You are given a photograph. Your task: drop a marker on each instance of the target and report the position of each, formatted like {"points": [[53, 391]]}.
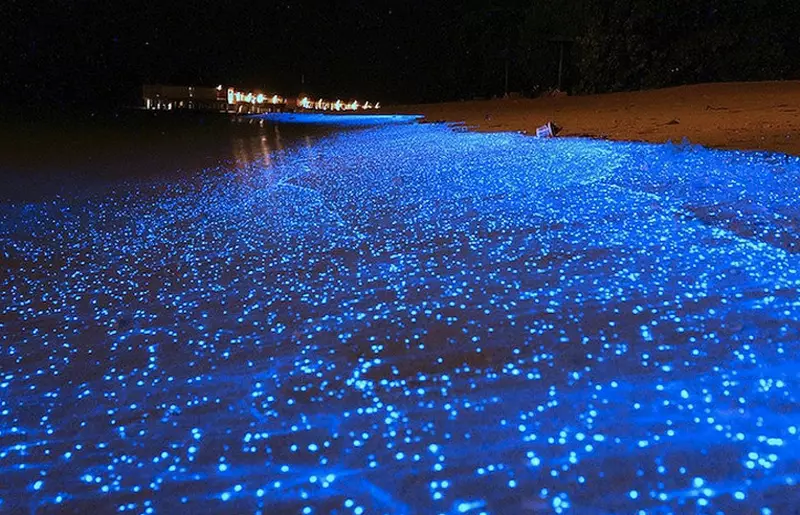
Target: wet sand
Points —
{"points": [[743, 116]]}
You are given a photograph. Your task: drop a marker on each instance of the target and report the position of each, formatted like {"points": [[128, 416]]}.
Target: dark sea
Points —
{"points": [[68, 154]]}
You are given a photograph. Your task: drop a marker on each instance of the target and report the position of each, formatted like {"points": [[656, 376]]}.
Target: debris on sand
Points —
{"points": [[548, 130]]}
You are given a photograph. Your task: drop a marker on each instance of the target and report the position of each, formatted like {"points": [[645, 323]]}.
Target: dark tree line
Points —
{"points": [[88, 51], [636, 44], [620, 45]]}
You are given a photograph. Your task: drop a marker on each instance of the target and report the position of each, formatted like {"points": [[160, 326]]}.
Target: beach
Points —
{"points": [[761, 116]]}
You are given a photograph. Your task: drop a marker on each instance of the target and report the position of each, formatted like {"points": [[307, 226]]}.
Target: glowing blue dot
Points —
{"points": [[739, 496], [38, 485], [633, 494], [223, 467], [225, 496]]}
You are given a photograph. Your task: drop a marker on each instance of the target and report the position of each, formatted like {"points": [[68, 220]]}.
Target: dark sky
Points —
{"points": [[99, 52]]}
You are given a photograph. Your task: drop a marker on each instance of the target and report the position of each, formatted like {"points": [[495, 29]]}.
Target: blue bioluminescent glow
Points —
{"points": [[337, 119], [409, 319]]}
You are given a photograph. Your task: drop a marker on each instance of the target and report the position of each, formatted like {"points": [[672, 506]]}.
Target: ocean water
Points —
{"points": [[68, 155], [404, 318]]}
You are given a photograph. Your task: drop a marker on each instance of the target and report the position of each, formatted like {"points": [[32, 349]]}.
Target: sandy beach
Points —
{"points": [[745, 116]]}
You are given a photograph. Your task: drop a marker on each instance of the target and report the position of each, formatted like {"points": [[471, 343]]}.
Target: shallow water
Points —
{"points": [[68, 156], [409, 319]]}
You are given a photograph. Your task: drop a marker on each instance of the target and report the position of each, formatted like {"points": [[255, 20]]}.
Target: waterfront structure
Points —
{"points": [[231, 100], [218, 99], [168, 98]]}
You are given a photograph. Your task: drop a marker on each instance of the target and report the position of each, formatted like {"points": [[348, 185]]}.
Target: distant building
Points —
{"points": [[254, 102], [219, 99], [231, 100], [161, 97]]}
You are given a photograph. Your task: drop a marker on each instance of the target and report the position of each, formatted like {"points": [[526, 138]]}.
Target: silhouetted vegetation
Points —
{"points": [[623, 45], [393, 50]]}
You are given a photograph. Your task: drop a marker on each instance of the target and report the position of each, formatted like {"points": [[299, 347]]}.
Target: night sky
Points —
{"points": [[88, 52], [99, 53]]}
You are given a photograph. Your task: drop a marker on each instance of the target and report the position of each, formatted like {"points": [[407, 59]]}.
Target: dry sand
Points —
{"points": [[746, 116]]}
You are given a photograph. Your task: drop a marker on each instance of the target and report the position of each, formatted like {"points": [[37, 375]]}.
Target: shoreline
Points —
{"points": [[750, 116]]}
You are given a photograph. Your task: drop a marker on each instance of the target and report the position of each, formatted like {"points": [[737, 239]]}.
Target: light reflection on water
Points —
{"points": [[406, 319], [42, 160]]}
